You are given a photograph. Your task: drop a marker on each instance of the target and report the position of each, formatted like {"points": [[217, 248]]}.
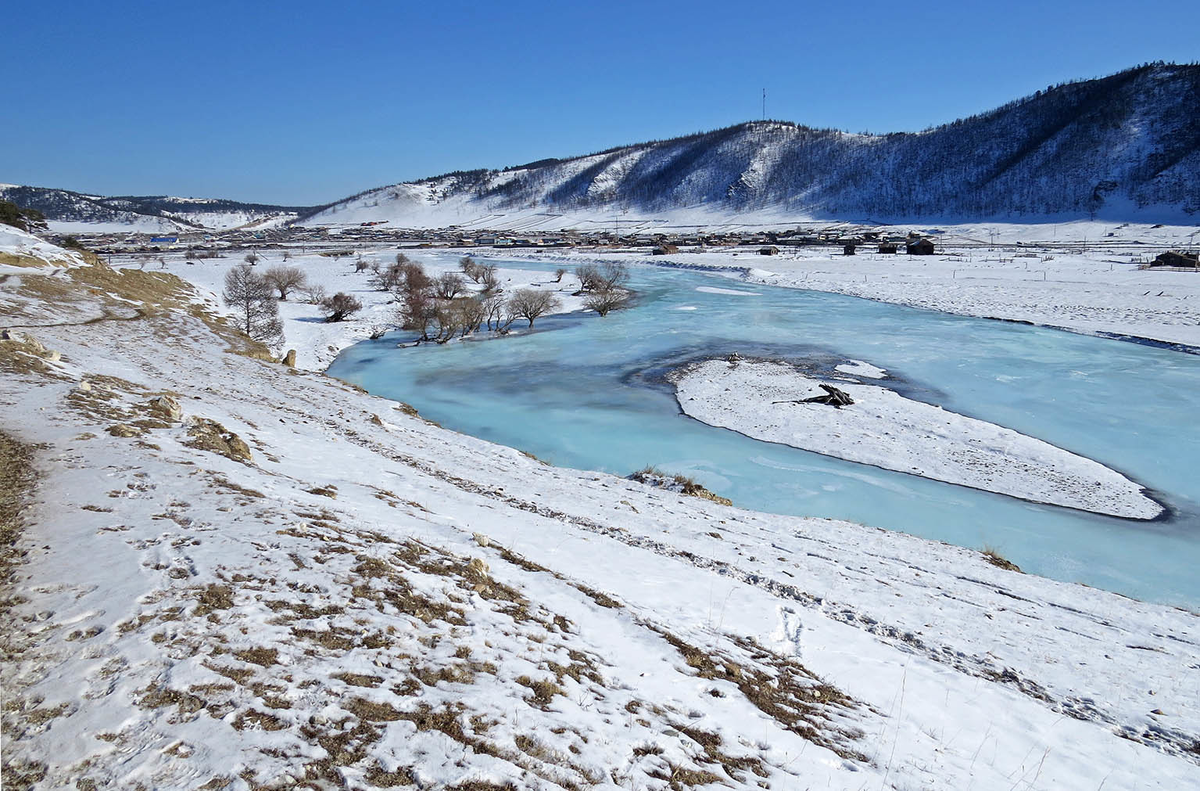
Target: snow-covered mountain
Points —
{"points": [[1123, 146], [69, 211]]}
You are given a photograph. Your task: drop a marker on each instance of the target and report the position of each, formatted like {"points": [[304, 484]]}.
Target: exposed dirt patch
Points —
{"points": [[16, 485]]}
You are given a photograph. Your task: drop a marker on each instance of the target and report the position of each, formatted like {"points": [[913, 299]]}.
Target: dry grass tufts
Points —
{"points": [[791, 695], [993, 556], [653, 476], [358, 680], [253, 719], [404, 776], [259, 656], [214, 597], [329, 491], [603, 599], [371, 711], [155, 697], [543, 690]]}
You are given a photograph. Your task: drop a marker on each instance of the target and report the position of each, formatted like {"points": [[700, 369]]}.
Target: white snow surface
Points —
{"points": [[758, 398], [863, 369], [24, 245], [1071, 276], [317, 343], [373, 600]]}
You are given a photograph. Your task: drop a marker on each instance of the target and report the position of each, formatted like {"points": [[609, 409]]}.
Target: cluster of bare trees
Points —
{"points": [[445, 307], [603, 286], [254, 298]]}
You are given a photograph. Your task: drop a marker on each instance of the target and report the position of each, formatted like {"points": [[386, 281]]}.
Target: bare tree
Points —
{"points": [[413, 276], [339, 306], [471, 313], [558, 275], [449, 285], [529, 303], [489, 278], [313, 294], [603, 277], [417, 311], [254, 304], [459, 317], [251, 258], [603, 302], [589, 276], [361, 264], [613, 275], [470, 268], [496, 313], [285, 279], [389, 278]]}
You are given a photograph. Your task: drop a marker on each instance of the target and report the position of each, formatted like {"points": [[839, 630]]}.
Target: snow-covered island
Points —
{"points": [[760, 398]]}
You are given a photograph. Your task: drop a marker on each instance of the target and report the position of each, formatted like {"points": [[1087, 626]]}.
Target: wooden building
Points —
{"points": [[919, 247]]}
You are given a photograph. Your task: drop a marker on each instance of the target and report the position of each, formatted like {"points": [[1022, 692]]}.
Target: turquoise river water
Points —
{"points": [[585, 392]]}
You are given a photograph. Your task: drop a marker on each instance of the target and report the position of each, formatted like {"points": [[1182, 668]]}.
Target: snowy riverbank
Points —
{"points": [[758, 398], [1080, 276], [318, 342]]}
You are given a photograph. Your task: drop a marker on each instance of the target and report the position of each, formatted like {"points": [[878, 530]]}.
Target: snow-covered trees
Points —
{"points": [[253, 302], [285, 279]]}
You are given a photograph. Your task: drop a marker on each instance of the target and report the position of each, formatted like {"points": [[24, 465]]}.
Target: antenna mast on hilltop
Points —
{"points": [[764, 104]]}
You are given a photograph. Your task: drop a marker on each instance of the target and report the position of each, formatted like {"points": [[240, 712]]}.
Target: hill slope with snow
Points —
{"points": [[74, 212], [1120, 147], [238, 575]]}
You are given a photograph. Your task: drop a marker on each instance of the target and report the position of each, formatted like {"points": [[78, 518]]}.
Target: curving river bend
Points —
{"points": [[587, 392]]}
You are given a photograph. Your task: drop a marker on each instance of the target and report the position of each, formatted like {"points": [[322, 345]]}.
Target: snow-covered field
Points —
{"points": [[316, 342], [759, 398], [357, 598], [1071, 276]]}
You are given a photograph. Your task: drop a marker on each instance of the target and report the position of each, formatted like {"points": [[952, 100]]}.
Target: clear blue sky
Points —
{"points": [[306, 102]]}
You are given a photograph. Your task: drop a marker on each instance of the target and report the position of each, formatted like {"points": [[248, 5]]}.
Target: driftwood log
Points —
{"points": [[833, 396]]}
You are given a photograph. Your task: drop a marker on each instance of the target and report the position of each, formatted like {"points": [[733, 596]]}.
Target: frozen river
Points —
{"points": [[587, 392]]}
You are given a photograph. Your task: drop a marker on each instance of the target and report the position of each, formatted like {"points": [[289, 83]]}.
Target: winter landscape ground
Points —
{"points": [[228, 561], [235, 574]]}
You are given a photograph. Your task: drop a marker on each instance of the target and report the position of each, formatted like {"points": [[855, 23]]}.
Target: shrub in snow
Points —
{"points": [[339, 306], [604, 302]]}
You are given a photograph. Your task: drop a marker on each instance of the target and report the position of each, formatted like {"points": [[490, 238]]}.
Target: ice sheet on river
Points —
{"points": [[883, 428]]}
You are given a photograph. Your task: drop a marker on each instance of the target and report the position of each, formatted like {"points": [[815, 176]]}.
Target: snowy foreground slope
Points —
{"points": [[357, 598]]}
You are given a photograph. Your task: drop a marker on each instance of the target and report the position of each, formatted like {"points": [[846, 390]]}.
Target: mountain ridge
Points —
{"points": [[1117, 145], [160, 213], [1122, 147]]}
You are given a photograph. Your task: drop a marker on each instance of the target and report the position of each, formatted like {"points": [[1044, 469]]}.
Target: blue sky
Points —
{"points": [[307, 102]]}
